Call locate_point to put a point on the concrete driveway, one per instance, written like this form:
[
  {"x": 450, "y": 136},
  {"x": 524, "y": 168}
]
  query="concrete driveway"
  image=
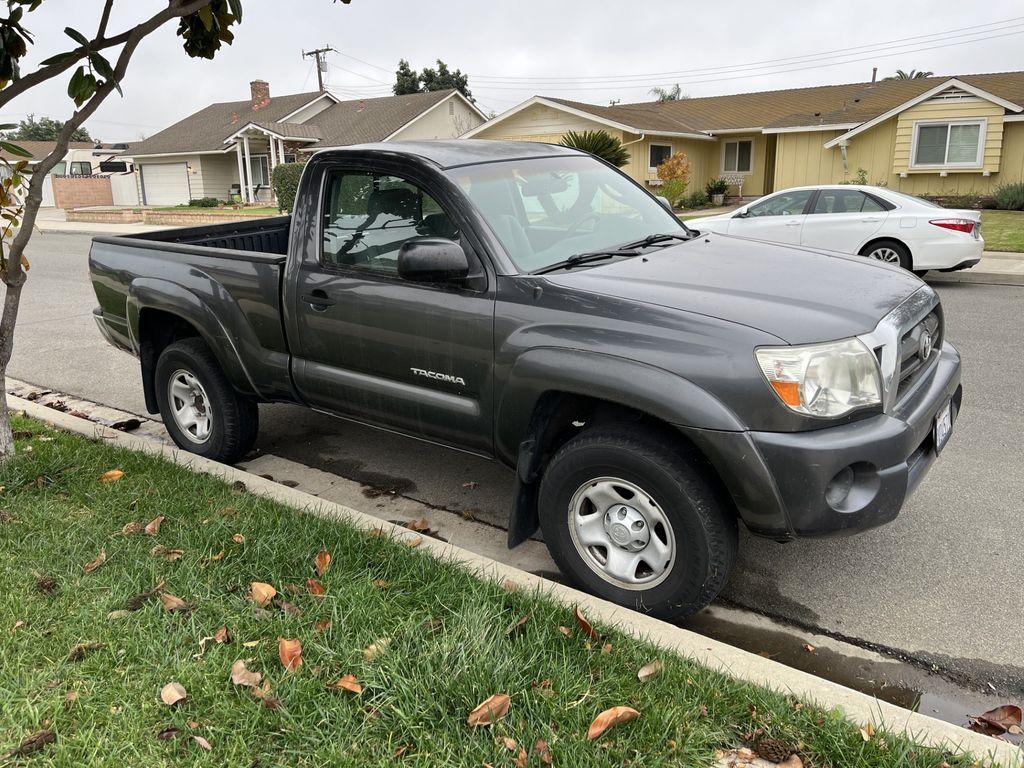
[{"x": 941, "y": 584}]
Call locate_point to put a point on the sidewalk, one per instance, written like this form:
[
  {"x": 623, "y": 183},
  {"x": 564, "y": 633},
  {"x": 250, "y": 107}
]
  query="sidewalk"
[{"x": 54, "y": 221}]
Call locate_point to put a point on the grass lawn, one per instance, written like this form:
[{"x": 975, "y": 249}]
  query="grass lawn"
[
  {"x": 221, "y": 211},
  {"x": 76, "y": 662},
  {"x": 1003, "y": 230}
]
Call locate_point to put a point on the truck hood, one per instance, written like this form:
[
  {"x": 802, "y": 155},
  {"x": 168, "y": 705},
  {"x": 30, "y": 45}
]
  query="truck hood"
[{"x": 796, "y": 294}]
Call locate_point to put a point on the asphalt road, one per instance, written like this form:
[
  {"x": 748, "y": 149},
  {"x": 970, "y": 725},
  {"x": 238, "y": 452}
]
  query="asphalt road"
[{"x": 940, "y": 584}]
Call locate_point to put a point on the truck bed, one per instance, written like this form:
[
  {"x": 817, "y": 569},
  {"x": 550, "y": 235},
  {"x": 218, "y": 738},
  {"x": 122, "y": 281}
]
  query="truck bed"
[{"x": 224, "y": 279}]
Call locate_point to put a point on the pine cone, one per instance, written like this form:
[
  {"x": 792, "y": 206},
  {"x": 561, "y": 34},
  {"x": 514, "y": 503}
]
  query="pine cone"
[{"x": 773, "y": 750}]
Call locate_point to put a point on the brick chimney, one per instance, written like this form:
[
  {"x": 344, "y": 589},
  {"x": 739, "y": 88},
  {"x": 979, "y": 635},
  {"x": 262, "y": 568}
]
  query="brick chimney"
[{"x": 260, "y": 90}]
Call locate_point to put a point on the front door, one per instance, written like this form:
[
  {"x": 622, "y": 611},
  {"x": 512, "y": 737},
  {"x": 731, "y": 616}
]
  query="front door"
[
  {"x": 410, "y": 356},
  {"x": 777, "y": 219}
]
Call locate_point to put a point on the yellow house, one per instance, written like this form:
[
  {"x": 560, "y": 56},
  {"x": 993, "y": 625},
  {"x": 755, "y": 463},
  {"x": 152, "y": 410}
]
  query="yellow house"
[{"x": 938, "y": 135}]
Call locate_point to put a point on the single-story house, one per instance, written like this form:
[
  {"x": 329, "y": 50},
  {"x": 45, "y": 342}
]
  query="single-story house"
[
  {"x": 230, "y": 149},
  {"x": 83, "y": 159},
  {"x": 935, "y": 135}
]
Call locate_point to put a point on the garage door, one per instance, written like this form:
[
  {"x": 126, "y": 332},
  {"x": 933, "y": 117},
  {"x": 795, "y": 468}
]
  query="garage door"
[{"x": 165, "y": 183}]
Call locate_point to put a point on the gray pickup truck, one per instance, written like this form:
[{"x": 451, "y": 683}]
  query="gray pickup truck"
[{"x": 651, "y": 386}]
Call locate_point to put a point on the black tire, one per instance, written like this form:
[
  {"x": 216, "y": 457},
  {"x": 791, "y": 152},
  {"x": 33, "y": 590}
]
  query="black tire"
[
  {"x": 703, "y": 526},
  {"x": 877, "y": 249},
  {"x": 233, "y": 419}
]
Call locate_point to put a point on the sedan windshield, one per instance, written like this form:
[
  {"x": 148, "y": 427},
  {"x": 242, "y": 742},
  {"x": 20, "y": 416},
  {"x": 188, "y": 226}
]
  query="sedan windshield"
[{"x": 548, "y": 210}]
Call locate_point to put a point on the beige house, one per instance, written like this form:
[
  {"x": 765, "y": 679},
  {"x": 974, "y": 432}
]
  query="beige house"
[
  {"x": 936, "y": 135},
  {"x": 230, "y": 149}
]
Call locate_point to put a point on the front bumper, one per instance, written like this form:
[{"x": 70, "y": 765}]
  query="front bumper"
[{"x": 780, "y": 480}]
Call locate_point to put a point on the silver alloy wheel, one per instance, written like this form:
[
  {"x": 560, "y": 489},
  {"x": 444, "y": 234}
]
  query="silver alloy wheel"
[
  {"x": 190, "y": 407},
  {"x": 885, "y": 254},
  {"x": 621, "y": 533}
]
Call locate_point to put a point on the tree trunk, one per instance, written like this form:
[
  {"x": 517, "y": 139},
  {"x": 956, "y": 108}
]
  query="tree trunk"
[{"x": 6, "y": 436}]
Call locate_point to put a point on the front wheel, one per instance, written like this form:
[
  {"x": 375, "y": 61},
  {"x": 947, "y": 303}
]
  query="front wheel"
[
  {"x": 201, "y": 410},
  {"x": 634, "y": 518}
]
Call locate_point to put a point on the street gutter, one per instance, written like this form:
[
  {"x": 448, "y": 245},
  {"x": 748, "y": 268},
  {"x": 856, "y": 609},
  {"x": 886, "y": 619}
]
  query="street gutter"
[{"x": 858, "y": 707}]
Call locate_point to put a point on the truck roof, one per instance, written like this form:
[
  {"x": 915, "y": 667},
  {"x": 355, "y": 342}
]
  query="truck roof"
[{"x": 451, "y": 153}]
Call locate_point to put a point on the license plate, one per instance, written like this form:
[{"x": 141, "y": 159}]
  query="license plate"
[{"x": 943, "y": 426}]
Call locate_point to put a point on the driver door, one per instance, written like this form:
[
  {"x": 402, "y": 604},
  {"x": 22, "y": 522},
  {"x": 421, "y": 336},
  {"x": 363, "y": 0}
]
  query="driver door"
[
  {"x": 411, "y": 356},
  {"x": 777, "y": 219}
]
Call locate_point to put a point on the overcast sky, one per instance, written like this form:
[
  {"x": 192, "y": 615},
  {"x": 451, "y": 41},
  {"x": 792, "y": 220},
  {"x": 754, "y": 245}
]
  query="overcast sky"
[{"x": 587, "y": 51}]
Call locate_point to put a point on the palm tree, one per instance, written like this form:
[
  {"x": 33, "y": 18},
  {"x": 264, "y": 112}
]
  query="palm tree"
[
  {"x": 674, "y": 93},
  {"x": 599, "y": 143},
  {"x": 911, "y": 75}
]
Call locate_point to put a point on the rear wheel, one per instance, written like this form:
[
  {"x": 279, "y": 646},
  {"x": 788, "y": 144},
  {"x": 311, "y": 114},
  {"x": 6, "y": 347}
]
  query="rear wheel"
[
  {"x": 201, "y": 410},
  {"x": 890, "y": 252},
  {"x": 633, "y": 518}
]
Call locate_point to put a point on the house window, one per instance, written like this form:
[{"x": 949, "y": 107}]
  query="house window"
[
  {"x": 82, "y": 168},
  {"x": 289, "y": 157},
  {"x": 658, "y": 154},
  {"x": 953, "y": 143},
  {"x": 451, "y": 107},
  {"x": 259, "y": 170},
  {"x": 738, "y": 156}
]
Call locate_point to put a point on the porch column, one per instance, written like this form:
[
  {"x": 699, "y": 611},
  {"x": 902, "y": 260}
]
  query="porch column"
[
  {"x": 280, "y": 149},
  {"x": 241, "y": 169},
  {"x": 272, "y": 162},
  {"x": 248, "y": 168}
]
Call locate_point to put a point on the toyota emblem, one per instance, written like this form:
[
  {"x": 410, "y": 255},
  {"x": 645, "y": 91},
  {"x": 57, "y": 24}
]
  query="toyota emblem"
[{"x": 925, "y": 350}]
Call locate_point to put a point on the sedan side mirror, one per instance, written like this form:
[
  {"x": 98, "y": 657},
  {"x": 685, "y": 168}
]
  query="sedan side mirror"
[
  {"x": 742, "y": 213},
  {"x": 665, "y": 201},
  {"x": 432, "y": 260}
]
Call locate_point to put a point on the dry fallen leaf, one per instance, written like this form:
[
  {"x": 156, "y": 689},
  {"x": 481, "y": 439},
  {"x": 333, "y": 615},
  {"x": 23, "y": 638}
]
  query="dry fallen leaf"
[
  {"x": 565, "y": 631},
  {"x": 70, "y": 698},
  {"x": 170, "y": 555},
  {"x": 515, "y": 626},
  {"x": 323, "y": 625},
  {"x": 288, "y": 608},
  {"x": 648, "y": 670},
  {"x": 997, "y": 720},
  {"x": 130, "y": 529},
  {"x": 118, "y": 615},
  {"x": 135, "y": 602},
  {"x": 490, "y": 710},
  {"x": 521, "y": 758},
  {"x": 216, "y": 557},
  {"x": 172, "y": 693},
  {"x": 376, "y": 532},
  {"x": 809, "y": 648},
  {"x": 33, "y": 743},
  {"x": 202, "y": 742},
  {"x": 290, "y": 653},
  {"x": 347, "y": 683},
  {"x": 111, "y": 476},
  {"x": 322, "y": 561},
  {"x": 381, "y": 583},
  {"x": 509, "y": 743},
  {"x": 419, "y": 525},
  {"x": 608, "y": 718},
  {"x": 585, "y": 625},
  {"x": 375, "y": 649},
  {"x": 96, "y": 562},
  {"x": 242, "y": 676},
  {"x": 238, "y": 538},
  {"x": 222, "y": 635},
  {"x": 172, "y": 603},
  {"x": 250, "y": 643},
  {"x": 315, "y": 588},
  {"x": 18, "y": 625},
  {"x": 510, "y": 586},
  {"x": 606, "y": 649},
  {"x": 414, "y": 542},
  {"x": 153, "y": 526},
  {"x": 261, "y": 593},
  {"x": 78, "y": 652},
  {"x": 867, "y": 732},
  {"x": 540, "y": 747}
]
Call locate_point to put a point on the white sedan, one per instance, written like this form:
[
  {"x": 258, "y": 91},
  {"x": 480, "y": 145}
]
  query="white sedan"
[{"x": 875, "y": 222}]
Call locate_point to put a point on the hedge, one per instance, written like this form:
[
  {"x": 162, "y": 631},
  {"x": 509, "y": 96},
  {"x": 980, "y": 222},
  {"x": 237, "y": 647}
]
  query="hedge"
[{"x": 286, "y": 183}]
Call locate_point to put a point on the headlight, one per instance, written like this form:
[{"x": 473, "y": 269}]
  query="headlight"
[{"x": 828, "y": 379}]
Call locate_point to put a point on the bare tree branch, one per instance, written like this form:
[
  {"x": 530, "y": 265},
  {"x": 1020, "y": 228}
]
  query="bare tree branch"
[
  {"x": 174, "y": 10},
  {"x": 104, "y": 19}
]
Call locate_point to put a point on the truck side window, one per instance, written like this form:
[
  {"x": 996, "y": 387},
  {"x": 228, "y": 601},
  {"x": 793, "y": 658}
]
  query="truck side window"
[{"x": 367, "y": 217}]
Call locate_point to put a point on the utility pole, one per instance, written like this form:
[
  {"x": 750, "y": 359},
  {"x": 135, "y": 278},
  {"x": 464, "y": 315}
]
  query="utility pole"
[{"x": 321, "y": 64}]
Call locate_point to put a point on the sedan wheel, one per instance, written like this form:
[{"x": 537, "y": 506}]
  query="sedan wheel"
[{"x": 889, "y": 251}]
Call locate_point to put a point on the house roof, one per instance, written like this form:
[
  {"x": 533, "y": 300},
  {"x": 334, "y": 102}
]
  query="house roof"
[
  {"x": 298, "y": 131},
  {"x": 828, "y": 105},
  {"x": 40, "y": 149},
  {"x": 367, "y": 120},
  {"x": 206, "y": 130}
]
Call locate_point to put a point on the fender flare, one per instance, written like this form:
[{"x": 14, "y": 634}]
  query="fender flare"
[{"x": 174, "y": 299}]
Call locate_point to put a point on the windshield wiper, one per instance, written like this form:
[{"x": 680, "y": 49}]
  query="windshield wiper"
[
  {"x": 585, "y": 258},
  {"x": 659, "y": 238}
]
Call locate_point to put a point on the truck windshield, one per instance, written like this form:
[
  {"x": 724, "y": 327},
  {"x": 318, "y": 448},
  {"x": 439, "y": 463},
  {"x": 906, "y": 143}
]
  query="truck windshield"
[{"x": 546, "y": 210}]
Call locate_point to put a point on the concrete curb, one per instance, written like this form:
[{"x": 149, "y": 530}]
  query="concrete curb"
[
  {"x": 982, "y": 278},
  {"x": 858, "y": 707}
]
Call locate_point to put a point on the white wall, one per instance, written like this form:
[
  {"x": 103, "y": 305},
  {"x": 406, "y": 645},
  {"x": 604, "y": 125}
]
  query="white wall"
[
  {"x": 442, "y": 121},
  {"x": 124, "y": 188}
]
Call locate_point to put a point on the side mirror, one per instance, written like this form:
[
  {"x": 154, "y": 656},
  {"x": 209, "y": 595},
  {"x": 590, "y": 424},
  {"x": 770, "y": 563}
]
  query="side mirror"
[
  {"x": 432, "y": 260},
  {"x": 665, "y": 201},
  {"x": 742, "y": 213}
]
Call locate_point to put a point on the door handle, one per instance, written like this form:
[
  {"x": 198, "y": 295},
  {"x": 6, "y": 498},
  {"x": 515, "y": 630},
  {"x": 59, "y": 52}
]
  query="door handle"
[
  {"x": 793, "y": 223},
  {"x": 872, "y": 219},
  {"x": 318, "y": 300}
]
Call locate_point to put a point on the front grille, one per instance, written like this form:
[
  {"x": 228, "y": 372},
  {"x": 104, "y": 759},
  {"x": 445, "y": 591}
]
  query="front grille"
[{"x": 918, "y": 347}]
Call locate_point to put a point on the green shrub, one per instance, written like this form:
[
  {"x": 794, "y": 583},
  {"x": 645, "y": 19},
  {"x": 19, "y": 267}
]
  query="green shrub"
[
  {"x": 204, "y": 202},
  {"x": 286, "y": 184},
  {"x": 698, "y": 199},
  {"x": 598, "y": 143},
  {"x": 673, "y": 190},
  {"x": 1010, "y": 197},
  {"x": 716, "y": 187}
]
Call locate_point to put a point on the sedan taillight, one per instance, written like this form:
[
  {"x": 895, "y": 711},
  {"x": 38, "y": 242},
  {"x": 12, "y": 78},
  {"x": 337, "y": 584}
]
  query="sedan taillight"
[{"x": 957, "y": 225}]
